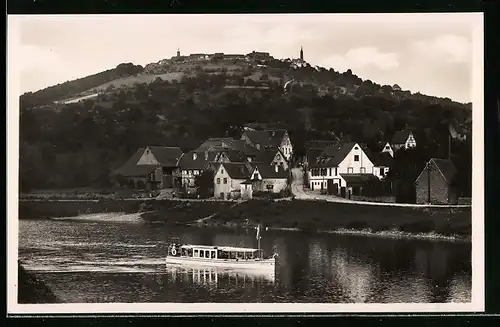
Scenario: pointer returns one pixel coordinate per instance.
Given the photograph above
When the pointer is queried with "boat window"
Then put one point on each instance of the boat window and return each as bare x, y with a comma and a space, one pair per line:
240, 255
207, 254
232, 255
196, 253
213, 254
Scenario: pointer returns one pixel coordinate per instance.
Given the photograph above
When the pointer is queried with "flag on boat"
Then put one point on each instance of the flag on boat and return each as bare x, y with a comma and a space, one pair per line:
258, 232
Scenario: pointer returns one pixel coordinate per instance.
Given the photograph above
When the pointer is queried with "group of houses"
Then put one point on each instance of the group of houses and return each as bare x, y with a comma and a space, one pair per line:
260, 161
257, 162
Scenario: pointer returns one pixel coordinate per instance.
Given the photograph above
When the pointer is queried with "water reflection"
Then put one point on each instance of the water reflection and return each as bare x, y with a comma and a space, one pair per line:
126, 263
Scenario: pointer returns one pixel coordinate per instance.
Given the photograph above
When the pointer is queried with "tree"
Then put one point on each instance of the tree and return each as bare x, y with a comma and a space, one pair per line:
204, 182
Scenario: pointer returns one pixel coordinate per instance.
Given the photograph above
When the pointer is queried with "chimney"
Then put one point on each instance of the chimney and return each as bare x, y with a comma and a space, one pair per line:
194, 155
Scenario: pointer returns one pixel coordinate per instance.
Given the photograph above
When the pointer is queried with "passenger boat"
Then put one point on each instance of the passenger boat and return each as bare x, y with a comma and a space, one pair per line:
220, 256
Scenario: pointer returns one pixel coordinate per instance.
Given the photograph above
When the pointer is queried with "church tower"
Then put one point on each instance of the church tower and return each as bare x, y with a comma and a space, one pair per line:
301, 54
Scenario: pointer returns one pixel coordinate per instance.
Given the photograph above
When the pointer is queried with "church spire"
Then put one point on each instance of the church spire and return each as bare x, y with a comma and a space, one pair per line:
301, 54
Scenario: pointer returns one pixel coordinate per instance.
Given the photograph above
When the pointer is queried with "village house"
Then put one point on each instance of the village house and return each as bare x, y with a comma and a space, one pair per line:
337, 161
228, 179
192, 164
313, 149
435, 183
403, 139
149, 168
265, 178
271, 138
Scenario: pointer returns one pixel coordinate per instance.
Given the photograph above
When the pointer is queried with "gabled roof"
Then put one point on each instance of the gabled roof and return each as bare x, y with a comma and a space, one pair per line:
266, 138
233, 155
445, 167
188, 162
244, 147
267, 156
333, 155
237, 170
267, 171
166, 156
215, 141
381, 159
318, 144
400, 137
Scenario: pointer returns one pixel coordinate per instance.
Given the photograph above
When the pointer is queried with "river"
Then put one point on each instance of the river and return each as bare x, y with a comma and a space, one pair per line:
118, 258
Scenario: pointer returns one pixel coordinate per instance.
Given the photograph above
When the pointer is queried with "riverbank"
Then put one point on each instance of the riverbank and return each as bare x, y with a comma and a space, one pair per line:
444, 222
32, 289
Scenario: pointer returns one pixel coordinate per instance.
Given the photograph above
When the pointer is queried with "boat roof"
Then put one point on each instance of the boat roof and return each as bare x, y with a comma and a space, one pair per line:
222, 248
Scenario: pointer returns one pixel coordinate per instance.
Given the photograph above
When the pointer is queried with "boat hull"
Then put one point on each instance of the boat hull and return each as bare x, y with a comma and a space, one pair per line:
264, 264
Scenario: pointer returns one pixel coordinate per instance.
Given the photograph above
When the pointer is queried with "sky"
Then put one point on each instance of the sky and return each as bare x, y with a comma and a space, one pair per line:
427, 53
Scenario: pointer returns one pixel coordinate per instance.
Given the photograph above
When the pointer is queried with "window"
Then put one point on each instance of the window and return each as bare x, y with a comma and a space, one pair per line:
218, 180
387, 147
270, 186
356, 148
184, 172
278, 157
196, 253
350, 170
222, 195
195, 172
222, 171
356, 157
225, 180
207, 254
213, 254
330, 171
190, 172
362, 170
255, 176
381, 172
336, 171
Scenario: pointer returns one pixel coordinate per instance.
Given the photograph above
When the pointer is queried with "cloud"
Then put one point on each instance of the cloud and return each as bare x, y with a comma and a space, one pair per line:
446, 48
362, 57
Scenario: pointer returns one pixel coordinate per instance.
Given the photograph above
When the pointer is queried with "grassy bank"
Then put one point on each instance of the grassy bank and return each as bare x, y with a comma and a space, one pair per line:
296, 214
32, 289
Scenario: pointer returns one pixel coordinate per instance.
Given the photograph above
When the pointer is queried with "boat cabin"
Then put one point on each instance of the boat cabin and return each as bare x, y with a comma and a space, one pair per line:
218, 252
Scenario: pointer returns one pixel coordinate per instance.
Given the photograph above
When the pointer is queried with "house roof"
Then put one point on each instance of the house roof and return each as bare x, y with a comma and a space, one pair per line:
400, 137
267, 171
312, 155
233, 155
446, 167
244, 147
237, 170
359, 179
318, 144
214, 141
333, 155
266, 138
187, 160
267, 156
166, 155
381, 159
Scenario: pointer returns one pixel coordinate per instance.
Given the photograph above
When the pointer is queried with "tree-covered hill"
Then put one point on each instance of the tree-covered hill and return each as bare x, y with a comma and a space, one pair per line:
80, 143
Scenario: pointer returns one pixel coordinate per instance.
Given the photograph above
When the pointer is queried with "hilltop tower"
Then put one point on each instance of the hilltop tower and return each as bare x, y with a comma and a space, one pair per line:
178, 52
301, 54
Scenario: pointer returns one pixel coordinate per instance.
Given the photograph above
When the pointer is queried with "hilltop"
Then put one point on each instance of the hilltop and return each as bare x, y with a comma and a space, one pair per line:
75, 133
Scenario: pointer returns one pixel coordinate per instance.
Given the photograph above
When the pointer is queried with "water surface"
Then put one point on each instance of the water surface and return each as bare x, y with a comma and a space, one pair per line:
118, 258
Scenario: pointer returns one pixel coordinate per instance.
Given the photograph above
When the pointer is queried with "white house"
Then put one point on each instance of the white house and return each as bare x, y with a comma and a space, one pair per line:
346, 158
388, 149
228, 179
265, 178
403, 139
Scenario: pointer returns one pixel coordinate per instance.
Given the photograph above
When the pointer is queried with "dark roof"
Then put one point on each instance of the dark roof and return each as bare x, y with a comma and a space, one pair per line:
266, 138
359, 179
215, 141
166, 156
267, 171
237, 170
446, 167
244, 147
400, 137
188, 162
318, 144
332, 155
234, 155
267, 156
381, 159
